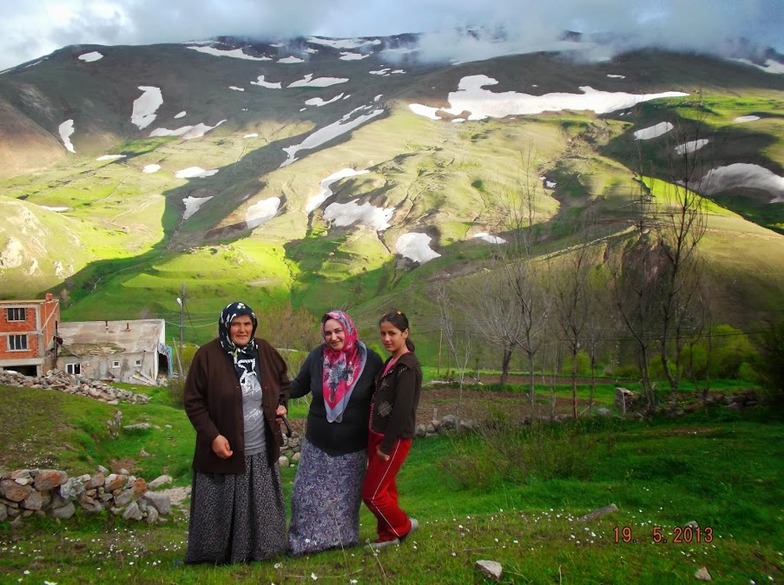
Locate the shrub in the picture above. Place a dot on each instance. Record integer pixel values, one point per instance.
(731, 348)
(502, 451)
(769, 362)
(583, 365)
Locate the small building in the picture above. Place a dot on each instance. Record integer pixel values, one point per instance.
(28, 335)
(132, 351)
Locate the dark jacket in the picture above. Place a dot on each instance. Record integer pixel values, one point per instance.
(351, 434)
(396, 400)
(213, 402)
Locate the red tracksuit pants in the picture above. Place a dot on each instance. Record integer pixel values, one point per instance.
(379, 491)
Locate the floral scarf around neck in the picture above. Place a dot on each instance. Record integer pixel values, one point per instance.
(342, 368)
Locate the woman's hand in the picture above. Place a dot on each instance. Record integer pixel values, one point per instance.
(220, 446)
(280, 413)
(381, 454)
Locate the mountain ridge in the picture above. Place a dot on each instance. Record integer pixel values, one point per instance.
(436, 172)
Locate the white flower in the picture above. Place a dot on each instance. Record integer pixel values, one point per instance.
(313, 576)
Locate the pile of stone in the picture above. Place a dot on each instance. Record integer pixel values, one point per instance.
(290, 451)
(50, 492)
(64, 382)
(445, 424)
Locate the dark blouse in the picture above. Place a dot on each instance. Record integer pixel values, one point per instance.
(351, 434)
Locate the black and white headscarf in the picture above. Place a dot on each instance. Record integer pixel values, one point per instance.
(243, 356)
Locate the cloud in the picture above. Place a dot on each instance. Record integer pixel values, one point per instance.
(33, 29)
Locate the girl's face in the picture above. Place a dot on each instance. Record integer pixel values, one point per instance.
(394, 339)
(334, 334)
(240, 330)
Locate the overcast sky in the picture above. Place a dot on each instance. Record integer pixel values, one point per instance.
(33, 28)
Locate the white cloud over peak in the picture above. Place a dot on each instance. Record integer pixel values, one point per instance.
(33, 29)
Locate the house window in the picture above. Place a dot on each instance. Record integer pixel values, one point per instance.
(16, 314)
(17, 342)
(138, 363)
(115, 364)
(73, 369)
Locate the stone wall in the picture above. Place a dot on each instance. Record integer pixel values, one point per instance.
(50, 492)
(63, 382)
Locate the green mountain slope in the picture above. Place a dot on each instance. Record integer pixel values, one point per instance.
(224, 185)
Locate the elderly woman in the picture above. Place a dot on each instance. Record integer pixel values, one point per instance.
(339, 376)
(236, 389)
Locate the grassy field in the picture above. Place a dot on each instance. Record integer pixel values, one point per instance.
(516, 495)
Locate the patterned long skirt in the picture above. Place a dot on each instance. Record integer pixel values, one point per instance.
(237, 518)
(325, 501)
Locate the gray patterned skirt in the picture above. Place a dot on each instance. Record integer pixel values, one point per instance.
(237, 518)
(325, 501)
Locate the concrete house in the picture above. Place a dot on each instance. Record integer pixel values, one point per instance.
(28, 333)
(132, 351)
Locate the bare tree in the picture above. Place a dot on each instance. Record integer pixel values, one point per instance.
(497, 317)
(571, 303)
(680, 228)
(507, 302)
(458, 340)
(657, 281)
(597, 328)
(634, 284)
(528, 292)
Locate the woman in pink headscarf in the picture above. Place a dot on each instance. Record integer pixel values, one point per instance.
(339, 375)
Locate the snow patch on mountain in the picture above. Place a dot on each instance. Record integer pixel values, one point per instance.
(345, 214)
(194, 173)
(66, 129)
(327, 133)
(233, 53)
(481, 103)
(308, 81)
(653, 131)
(416, 246)
(326, 183)
(186, 132)
(146, 106)
(690, 147)
(90, 57)
(192, 205)
(260, 212)
(740, 175)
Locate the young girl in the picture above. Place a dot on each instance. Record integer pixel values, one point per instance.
(392, 426)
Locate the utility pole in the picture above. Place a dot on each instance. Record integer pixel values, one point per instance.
(181, 301)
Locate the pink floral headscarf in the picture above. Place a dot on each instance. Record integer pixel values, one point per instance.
(342, 368)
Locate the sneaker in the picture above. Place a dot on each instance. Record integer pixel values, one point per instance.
(414, 526)
(379, 544)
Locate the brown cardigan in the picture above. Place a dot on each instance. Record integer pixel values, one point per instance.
(213, 403)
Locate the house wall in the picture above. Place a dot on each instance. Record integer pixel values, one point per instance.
(38, 328)
(101, 367)
(91, 349)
